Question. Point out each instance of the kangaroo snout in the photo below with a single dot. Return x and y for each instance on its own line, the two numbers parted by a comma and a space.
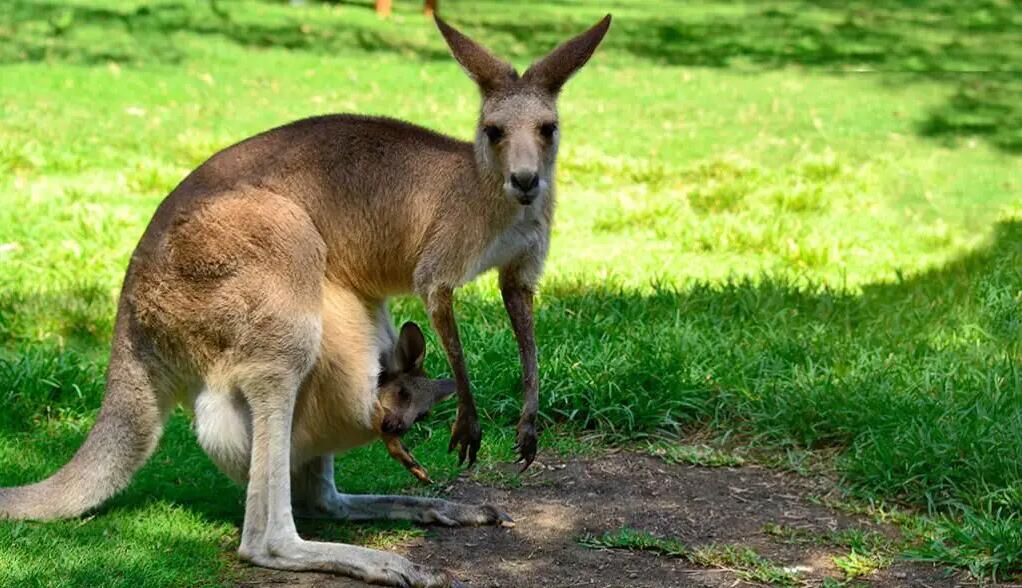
525, 180
392, 425
524, 186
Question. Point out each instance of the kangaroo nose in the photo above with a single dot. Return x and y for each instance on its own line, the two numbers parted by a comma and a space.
525, 181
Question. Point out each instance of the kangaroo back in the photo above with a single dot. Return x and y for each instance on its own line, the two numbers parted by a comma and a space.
126, 432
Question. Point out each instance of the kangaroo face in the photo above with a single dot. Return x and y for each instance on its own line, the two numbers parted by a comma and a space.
518, 129
407, 400
517, 139
405, 392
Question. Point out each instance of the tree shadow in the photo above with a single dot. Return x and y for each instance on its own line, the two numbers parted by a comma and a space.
146, 557
985, 106
972, 48
42, 32
752, 328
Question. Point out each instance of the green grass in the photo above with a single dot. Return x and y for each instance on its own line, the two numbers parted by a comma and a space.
867, 551
745, 563
793, 223
698, 455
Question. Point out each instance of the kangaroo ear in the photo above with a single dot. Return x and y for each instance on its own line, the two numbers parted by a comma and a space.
411, 348
489, 72
551, 72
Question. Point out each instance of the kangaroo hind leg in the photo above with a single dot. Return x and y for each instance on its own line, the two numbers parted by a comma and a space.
269, 537
317, 497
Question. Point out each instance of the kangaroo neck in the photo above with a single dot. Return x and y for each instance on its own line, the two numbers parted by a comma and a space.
488, 185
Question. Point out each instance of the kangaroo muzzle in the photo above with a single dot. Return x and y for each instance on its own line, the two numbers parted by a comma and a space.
524, 186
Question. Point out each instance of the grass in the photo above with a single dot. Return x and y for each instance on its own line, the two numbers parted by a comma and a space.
811, 239
745, 563
857, 539
867, 551
698, 455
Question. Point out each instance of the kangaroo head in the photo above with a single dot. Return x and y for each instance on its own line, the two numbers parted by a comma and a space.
405, 392
518, 131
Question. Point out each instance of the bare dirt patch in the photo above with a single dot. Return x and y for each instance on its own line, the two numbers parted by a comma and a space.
565, 499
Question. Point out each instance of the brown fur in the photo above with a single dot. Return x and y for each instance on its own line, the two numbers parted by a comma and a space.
257, 296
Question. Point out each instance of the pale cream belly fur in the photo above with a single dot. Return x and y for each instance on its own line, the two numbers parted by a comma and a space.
334, 409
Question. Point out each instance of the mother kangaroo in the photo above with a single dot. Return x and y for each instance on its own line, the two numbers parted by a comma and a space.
266, 272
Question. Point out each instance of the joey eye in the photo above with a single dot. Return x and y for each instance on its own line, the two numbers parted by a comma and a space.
547, 130
404, 394
494, 133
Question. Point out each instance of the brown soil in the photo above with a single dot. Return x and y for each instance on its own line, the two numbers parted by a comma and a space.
563, 499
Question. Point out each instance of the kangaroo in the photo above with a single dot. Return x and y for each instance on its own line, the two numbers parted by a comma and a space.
257, 296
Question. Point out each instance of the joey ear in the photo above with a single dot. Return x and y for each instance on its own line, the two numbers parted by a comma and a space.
551, 72
444, 388
411, 348
488, 72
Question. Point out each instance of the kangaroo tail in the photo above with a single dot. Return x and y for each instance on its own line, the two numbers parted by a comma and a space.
126, 432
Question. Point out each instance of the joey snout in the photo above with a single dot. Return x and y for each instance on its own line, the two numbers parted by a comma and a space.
393, 425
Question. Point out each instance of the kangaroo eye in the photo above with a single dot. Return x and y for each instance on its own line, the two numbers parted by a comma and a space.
404, 394
547, 129
494, 133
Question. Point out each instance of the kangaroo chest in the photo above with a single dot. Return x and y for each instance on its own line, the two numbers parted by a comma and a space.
525, 237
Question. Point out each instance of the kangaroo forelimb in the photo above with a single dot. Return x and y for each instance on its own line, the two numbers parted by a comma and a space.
518, 303
466, 434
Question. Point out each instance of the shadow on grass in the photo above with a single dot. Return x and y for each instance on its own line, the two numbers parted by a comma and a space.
80, 316
973, 48
122, 553
45, 32
918, 382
